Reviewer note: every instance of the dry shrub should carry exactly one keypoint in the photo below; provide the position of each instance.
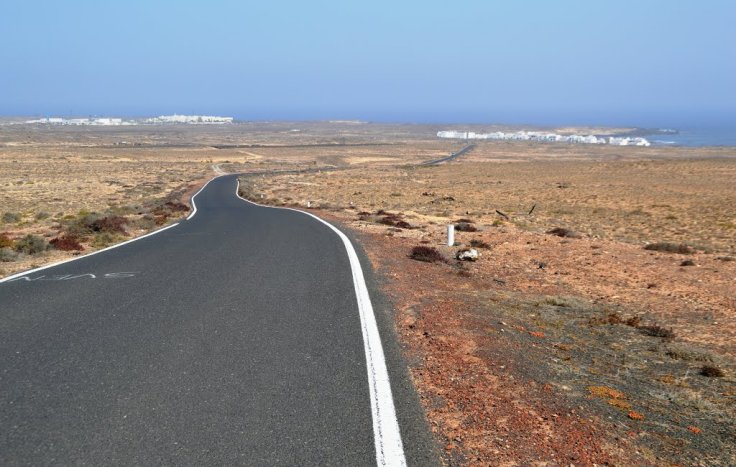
(11, 217)
(90, 223)
(404, 225)
(605, 392)
(7, 255)
(656, 330)
(427, 254)
(712, 371)
(146, 222)
(475, 243)
(5, 241)
(563, 232)
(170, 207)
(66, 243)
(634, 321)
(667, 247)
(388, 218)
(676, 352)
(176, 206)
(465, 227)
(620, 404)
(616, 318)
(557, 301)
(109, 224)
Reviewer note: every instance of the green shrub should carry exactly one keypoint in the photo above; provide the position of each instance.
(7, 255)
(89, 223)
(103, 239)
(146, 222)
(11, 217)
(31, 245)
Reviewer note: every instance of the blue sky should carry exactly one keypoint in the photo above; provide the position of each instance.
(633, 62)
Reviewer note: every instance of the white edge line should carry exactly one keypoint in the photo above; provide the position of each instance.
(387, 436)
(21, 274)
(194, 211)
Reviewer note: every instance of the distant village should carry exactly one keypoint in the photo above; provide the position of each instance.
(547, 137)
(163, 119)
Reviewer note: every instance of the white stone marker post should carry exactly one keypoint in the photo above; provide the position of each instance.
(451, 235)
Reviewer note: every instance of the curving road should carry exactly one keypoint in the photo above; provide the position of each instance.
(452, 156)
(234, 337)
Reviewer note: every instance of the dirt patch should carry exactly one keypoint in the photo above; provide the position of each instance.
(509, 376)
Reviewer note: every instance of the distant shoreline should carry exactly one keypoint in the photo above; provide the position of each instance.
(660, 137)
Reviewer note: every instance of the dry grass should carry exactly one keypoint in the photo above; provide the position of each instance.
(665, 201)
(53, 181)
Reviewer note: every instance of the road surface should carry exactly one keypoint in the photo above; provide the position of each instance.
(234, 337)
(451, 157)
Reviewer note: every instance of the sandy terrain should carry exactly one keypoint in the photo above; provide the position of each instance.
(40, 188)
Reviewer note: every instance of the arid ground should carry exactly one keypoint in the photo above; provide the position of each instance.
(576, 347)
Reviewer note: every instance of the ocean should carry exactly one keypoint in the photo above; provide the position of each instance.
(696, 137)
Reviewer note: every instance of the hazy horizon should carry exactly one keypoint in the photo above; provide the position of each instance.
(725, 122)
(567, 63)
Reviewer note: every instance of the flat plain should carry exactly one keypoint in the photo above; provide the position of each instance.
(578, 346)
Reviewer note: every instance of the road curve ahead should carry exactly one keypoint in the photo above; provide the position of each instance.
(234, 337)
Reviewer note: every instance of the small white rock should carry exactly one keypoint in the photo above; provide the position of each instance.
(467, 254)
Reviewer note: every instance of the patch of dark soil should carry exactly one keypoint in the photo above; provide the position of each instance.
(674, 410)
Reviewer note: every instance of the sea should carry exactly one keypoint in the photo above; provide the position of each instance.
(695, 137)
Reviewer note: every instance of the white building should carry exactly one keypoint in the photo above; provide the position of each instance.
(190, 119)
(544, 137)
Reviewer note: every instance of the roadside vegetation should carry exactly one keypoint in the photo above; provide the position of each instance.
(87, 230)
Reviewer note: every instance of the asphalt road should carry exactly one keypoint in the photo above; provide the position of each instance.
(231, 338)
(451, 157)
